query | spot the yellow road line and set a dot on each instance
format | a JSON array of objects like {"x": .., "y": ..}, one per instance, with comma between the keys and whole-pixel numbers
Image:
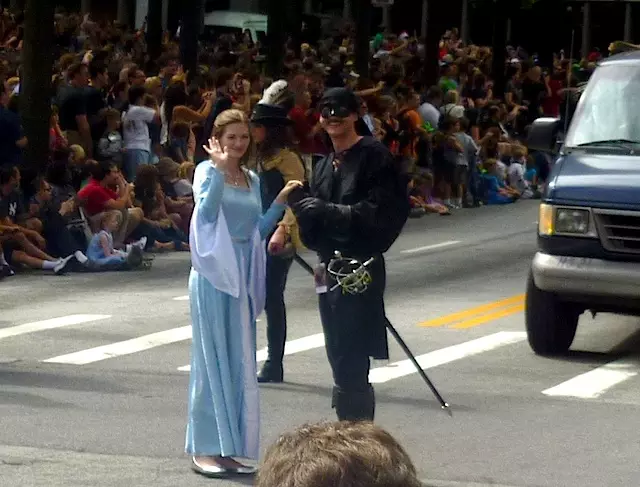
[
  {"x": 479, "y": 320},
  {"x": 470, "y": 313}
]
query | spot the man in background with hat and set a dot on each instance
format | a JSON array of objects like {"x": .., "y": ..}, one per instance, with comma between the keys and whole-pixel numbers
[{"x": 357, "y": 205}]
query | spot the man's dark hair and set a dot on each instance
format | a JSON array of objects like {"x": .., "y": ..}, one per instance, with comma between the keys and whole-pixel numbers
[
  {"x": 102, "y": 169},
  {"x": 136, "y": 93},
  {"x": 96, "y": 68},
  {"x": 7, "y": 173},
  {"x": 75, "y": 69}
]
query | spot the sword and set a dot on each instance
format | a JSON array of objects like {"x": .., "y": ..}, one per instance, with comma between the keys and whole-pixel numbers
[{"x": 443, "y": 404}]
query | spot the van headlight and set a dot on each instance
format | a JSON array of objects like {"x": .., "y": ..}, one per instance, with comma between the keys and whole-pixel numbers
[{"x": 566, "y": 221}]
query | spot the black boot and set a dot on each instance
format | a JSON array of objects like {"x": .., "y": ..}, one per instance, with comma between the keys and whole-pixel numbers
[
  {"x": 271, "y": 372},
  {"x": 354, "y": 405}
]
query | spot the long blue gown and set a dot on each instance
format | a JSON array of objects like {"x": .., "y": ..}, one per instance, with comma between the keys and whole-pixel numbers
[{"x": 224, "y": 415}]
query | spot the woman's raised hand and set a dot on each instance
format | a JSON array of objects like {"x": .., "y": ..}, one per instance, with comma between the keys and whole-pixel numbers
[
  {"x": 218, "y": 155},
  {"x": 286, "y": 191}
]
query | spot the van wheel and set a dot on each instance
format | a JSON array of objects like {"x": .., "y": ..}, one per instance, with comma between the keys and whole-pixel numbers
[{"x": 551, "y": 324}]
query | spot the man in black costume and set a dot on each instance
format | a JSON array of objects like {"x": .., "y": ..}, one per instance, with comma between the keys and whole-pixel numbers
[{"x": 357, "y": 205}]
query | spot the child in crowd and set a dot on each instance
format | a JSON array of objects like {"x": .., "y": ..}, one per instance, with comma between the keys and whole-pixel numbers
[
  {"x": 516, "y": 171},
  {"x": 101, "y": 251},
  {"x": 110, "y": 144},
  {"x": 421, "y": 197},
  {"x": 497, "y": 192}
]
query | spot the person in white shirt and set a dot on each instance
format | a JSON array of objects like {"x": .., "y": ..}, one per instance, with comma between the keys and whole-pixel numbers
[{"x": 135, "y": 131}]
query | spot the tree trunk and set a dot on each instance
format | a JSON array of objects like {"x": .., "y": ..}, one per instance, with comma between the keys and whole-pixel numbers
[
  {"x": 154, "y": 29},
  {"x": 277, "y": 15},
  {"x": 363, "y": 11},
  {"x": 189, "y": 34},
  {"x": 35, "y": 84},
  {"x": 498, "y": 68},
  {"x": 432, "y": 43}
]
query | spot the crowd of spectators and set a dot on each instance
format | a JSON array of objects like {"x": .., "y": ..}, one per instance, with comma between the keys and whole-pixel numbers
[{"x": 127, "y": 131}]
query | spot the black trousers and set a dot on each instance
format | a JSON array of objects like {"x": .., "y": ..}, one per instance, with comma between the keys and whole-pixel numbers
[
  {"x": 354, "y": 329},
  {"x": 275, "y": 310}
]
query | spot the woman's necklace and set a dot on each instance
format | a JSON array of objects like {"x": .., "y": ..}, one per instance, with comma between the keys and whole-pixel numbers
[{"x": 234, "y": 179}]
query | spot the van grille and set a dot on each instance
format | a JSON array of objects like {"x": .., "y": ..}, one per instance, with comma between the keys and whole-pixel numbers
[{"x": 619, "y": 230}]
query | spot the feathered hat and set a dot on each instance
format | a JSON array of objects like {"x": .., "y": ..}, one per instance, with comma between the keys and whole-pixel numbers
[{"x": 276, "y": 103}]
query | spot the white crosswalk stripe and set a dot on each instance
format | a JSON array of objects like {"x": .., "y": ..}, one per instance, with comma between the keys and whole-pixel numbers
[
  {"x": 445, "y": 355},
  {"x": 590, "y": 385},
  {"x": 596, "y": 382},
  {"x": 126, "y": 347},
  {"x": 49, "y": 324},
  {"x": 294, "y": 346}
]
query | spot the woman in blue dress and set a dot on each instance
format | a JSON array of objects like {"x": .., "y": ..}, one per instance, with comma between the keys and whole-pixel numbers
[{"x": 227, "y": 291}]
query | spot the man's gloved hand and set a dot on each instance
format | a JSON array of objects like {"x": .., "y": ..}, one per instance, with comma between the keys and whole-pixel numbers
[{"x": 336, "y": 218}]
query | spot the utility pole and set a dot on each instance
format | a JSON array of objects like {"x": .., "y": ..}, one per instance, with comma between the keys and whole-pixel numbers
[{"x": 35, "y": 83}]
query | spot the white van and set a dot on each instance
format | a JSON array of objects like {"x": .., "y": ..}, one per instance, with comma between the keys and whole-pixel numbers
[{"x": 223, "y": 21}]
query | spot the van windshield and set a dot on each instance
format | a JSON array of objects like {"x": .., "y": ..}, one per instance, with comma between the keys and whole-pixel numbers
[{"x": 609, "y": 109}]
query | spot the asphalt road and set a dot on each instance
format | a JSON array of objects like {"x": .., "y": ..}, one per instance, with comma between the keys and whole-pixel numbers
[{"x": 114, "y": 414}]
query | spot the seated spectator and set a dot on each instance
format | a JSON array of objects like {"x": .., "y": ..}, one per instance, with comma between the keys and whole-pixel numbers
[
  {"x": 178, "y": 192},
  {"x": 14, "y": 208},
  {"x": 164, "y": 226},
  {"x": 341, "y": 454},
  {"x": 421, "y": 196},
  {"x": 515, "y": 172},
  {"x": 59, "y": 240},
  {"x": 20, "y": 244},
  {"x": 101, "y": 251},
  {"x": 497, "y": 192},
  {"x": 169, "y": 177},
  {"x": 98, "y": 196}
]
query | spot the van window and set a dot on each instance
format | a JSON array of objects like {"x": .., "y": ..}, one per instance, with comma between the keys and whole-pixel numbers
[{"x": 609, "y": 109}]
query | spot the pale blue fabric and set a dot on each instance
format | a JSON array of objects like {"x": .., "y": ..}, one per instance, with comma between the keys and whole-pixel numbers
[{"x": 223, "y": 407}]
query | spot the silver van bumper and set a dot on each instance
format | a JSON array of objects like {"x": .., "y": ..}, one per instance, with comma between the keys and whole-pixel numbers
[{"x": 583, "y": 276}]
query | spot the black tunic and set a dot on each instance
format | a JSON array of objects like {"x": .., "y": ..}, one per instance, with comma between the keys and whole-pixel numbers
[{"x": 368, "y": 183}]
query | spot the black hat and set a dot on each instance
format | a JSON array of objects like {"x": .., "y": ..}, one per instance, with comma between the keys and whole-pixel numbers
[
  {"x": 341, "y": 99},
  {"x": 264, "y": 114}
]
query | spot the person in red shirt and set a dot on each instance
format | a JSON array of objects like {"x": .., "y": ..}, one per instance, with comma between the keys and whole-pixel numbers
[
  {"x": 306, "y": 125},
  {"x": 97, "y": 197}
]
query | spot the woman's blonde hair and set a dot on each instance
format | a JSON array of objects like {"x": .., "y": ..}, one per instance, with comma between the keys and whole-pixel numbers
[{"x": 230, "y": 117}]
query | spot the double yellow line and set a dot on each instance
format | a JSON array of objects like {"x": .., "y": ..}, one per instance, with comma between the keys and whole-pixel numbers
[{"x": 480, "y": 314}]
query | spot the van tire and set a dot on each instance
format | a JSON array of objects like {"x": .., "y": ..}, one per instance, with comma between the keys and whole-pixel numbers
[{"x": 550, "y": 323}]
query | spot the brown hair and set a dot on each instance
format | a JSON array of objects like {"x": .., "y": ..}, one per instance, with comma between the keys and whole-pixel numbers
[{"x": 339, "y": 453}]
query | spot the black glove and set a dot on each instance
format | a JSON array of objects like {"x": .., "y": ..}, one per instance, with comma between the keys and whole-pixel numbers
[
  {"x": 309, "y": 209},
  {"x": 334, "y": 218}
]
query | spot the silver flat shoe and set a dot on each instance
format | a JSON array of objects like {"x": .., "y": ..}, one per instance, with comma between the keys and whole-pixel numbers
[
  {"x": 211, "y": 471},
  {"x": 245, "y": 470}
]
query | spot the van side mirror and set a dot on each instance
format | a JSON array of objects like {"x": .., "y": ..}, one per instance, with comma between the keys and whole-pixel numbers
[{"x": 543, "y": 135}]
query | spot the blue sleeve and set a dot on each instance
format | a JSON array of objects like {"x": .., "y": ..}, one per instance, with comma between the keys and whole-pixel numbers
[
  {"x": 268, "y": 221},
  {"x": 208, "y": 186}
]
